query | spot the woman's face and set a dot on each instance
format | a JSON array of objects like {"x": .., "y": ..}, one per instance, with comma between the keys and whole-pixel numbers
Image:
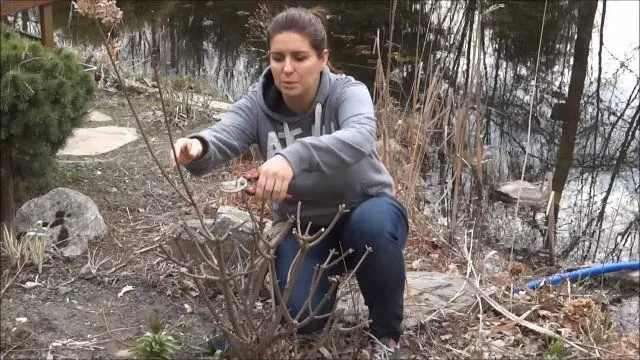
[{"x": 295, "y": 65}]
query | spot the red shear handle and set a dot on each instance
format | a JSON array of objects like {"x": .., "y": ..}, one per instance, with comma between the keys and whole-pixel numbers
[{"x": 253, "y": 175}]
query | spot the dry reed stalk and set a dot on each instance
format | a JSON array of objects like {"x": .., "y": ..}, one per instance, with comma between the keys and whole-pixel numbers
[
  {"x": 381, "y": 96},
  {"x": 419, "y": 137},
  {"x": 459, "y": 146},
  {"x": 387, "y": 97}
]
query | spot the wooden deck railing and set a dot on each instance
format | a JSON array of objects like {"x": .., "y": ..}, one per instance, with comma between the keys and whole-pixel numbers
[{"x": 45, "y": 9}]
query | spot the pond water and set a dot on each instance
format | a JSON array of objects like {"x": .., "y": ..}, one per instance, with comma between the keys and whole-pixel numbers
[{"x": 213, "y": 41}]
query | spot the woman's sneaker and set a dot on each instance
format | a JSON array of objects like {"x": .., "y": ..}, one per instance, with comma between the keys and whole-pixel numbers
[{"x": 385, "y": 348}]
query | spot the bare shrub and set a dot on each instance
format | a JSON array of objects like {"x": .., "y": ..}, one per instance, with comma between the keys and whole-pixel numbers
[{"x": 251, "y": 331}]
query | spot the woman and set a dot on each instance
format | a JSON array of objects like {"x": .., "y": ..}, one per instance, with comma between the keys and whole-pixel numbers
[{"x": 317, "y": 132}]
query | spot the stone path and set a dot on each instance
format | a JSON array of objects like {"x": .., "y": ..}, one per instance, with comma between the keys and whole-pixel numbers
[
  {"x": 90, "y": 141},
  {"x": 98, "y": 140}
]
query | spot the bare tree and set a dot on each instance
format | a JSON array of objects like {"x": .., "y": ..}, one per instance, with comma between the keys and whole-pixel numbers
[{"x": 564, "y": 159}]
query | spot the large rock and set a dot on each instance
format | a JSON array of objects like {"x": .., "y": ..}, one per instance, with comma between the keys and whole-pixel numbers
[
  {"x": 71, "y": 219},
  {"x": 219, "y": 116},
  {"x": 429, "y": 296},
  {"x": 234, "y": 248},
  {"x": 529, "y": 194}
]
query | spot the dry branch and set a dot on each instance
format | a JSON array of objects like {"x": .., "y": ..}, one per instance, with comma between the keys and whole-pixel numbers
[{"x": 520, "y": 319}]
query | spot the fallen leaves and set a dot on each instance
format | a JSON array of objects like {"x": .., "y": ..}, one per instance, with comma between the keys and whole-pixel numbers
[
  {"x": 630, "y": 344},
  {"x": 517, "y": 269},
  {"x": 584, "y": 315}
]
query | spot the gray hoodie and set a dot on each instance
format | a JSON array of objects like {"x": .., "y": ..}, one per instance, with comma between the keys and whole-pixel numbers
[{"x": 332, "y": 148}]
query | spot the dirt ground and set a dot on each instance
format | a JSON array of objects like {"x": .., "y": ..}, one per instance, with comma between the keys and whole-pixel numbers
[
  {"x": 69, "y": 316},
  {"x": 85, "y": 318}
]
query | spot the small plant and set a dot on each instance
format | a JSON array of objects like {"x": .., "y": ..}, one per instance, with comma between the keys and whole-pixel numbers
[
  {"x": 556, "y": 349},
  {"x": 35, "y": 248},
  {"x": 74, "y": 176},
  {"x": 156, "y": 343},
  {"x": 597, "y": 324},
  {"x": 587, "y": 317},
  {"x": 32, "y": 247},
  {"x": 11, "y": 247},
  {"x": 217, "y": 345}
]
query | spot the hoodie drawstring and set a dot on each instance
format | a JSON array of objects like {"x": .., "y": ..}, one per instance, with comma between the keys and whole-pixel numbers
[
  {"x": 318, "y": 119},
  {"x": 288, "y": 138}
]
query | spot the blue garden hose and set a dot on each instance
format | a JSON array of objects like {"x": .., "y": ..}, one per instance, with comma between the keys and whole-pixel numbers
[{"x": 583, "y": 273}]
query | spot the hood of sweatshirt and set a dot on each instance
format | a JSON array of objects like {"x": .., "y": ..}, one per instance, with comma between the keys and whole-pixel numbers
[{"x": 272, "y": 105}]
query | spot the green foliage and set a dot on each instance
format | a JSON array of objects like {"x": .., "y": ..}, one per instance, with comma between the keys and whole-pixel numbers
[
  {"x": 156, "y": 343},
  {"x": 44, "y": 97},
  {"x": 556, "y": 349},
  {"x": 217, "y": 345},
  {"x": 30, "y": 249},
  {"x": 11, "y": 247}
]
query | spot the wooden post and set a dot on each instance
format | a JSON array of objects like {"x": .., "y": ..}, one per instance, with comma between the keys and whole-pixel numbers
[
  {"x": 46, "y": 25},
  {"x": 551, "y": 226}
]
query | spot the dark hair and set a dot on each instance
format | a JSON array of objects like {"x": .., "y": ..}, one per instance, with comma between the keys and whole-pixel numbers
[{"x": 312, "y": 23}]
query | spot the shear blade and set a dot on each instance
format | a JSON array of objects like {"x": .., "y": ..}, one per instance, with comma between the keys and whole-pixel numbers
[{"x": 233, "y": 186}]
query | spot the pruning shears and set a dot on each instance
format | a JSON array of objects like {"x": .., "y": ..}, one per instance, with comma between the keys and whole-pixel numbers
[{"x": 247, "y": 183}]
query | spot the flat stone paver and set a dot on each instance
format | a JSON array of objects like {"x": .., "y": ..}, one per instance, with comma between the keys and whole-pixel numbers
[
  {"x": 430, "y": 297},
  {"x": 97, "y": 116},
  {"x": 98, "y": 140}
]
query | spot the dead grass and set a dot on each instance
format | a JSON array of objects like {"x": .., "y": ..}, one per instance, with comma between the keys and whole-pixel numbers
[{"x": 450, "y": 128}]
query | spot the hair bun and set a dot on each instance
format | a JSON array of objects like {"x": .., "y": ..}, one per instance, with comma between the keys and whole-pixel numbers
[{"x": 321, "y": 13}]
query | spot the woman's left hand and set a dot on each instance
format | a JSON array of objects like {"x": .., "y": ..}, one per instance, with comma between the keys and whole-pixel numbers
[{"x": 275, "y": 176}]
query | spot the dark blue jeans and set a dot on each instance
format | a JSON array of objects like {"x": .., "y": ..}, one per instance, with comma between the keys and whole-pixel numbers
[{"x": 379, "y": 223}]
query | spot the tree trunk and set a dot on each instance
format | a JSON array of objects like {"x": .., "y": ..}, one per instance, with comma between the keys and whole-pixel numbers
[
  {"x": 564, "y": 159},
  {"x": 6, "y": 188}
]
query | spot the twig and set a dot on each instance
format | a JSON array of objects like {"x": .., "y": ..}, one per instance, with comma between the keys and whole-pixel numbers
[
  {"x": 138, "y": 252},
  {"x": 135, "y": 115},
  {"x": 191, "y": 200},
  {"x": 116, "y": 268},
  {"x": 523, "y": 322},
  {"x": 2, "y": 356},
  {"x": 106, "y": 325},
  {"x": 10, "y": 282}
]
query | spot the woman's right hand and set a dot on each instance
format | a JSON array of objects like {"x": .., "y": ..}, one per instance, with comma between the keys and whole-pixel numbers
[{"x": 186, "y": 150}]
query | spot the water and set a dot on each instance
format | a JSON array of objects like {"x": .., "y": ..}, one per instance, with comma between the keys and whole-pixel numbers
[{"x": 212, "y": 42}]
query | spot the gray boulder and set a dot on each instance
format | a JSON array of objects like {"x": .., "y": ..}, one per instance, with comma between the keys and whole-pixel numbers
[
  {"x": 69, "y": 218},
  {"x": 228, "y": 219},
  {"x": 529, "y": 194},
  {"x": 430, "y": 296}
]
